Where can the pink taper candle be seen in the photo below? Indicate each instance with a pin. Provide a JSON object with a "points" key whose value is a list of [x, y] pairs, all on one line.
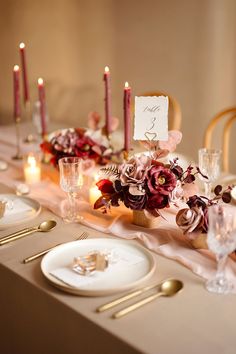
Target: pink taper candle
{"points": [[107, 100], [127, 116], [42, 106], [24, 73], [16, 91]]}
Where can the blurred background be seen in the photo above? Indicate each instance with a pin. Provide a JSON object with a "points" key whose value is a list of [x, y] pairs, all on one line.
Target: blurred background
{"points": [[186, 48]]}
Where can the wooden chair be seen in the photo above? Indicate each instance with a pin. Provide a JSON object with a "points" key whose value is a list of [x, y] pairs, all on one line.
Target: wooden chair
{"points": [[175, 115], [230, 114]]}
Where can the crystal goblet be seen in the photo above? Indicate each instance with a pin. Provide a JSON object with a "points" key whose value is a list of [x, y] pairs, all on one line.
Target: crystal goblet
{"points": [[209, 164], [71, 181], [221, 240]]}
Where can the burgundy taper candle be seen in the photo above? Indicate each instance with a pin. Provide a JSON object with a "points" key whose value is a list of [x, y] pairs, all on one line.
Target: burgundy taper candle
{"points": [[127, 116], [41, 90], [24, 73], [107, 81], [16, 91]]}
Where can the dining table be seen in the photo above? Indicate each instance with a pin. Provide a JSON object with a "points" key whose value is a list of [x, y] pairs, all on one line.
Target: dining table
{"points": [[38, 318]]}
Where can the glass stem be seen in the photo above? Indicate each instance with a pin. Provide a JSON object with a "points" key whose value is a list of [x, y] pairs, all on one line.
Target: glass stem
{"points": [[221, 262], [208, 187], [71, 197]]}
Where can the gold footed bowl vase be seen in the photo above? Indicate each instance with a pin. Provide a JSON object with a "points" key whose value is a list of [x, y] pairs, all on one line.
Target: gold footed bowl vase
{"points": [[140, 219], [200, 242]]}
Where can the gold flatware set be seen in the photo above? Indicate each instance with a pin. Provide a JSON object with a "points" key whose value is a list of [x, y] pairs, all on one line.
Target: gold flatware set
{"points": [[167, 288], [44, 226]]}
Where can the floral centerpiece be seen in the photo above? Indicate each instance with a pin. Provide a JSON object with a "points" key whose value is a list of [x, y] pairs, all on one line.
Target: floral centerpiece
{"points": [[144, 184], [90, 144], [193, 220]]}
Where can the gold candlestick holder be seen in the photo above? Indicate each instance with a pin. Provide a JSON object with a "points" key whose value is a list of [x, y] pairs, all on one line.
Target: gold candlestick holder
{"points": [[126, 155], [45, 157], [18, 155]]}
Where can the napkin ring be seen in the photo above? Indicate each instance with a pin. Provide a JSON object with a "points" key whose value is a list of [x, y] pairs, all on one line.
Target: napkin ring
{"points": [[85, 265]]}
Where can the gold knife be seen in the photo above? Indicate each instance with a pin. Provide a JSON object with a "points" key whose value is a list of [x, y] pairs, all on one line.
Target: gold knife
{"points": [[126, 297], [136, 305]]}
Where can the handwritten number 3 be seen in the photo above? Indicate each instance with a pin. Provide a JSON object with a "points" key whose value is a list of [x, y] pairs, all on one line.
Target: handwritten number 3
{"points": [[153, 123]]}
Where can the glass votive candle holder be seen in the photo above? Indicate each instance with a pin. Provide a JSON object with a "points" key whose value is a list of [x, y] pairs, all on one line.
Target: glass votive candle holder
{"points": [[94, 194], [32, 167]]}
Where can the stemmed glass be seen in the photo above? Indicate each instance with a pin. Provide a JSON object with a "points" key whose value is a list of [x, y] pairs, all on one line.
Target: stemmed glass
{"points": [[209, 164], [221, 240], [71, 181]]}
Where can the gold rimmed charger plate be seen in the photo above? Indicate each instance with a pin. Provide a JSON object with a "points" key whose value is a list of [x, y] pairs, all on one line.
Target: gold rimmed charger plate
{"points": [[30, 209], [117, 280]]}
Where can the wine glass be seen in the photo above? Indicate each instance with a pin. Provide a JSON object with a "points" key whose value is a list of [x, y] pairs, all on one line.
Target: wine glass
{"points": [[209, 164], [221, 240], [71, 181]]}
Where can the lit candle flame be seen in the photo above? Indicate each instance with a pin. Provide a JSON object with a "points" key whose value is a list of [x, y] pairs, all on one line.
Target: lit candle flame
{"points": [[16, 68], [22, 45], [107, 69], [40, 81], [126, 84]]}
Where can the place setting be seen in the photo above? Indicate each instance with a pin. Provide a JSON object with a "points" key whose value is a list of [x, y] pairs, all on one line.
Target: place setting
{"points": [[16, 210]]}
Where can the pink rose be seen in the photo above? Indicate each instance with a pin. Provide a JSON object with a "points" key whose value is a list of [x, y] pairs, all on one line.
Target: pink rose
{"points": [[133, 173], [190, 220]]}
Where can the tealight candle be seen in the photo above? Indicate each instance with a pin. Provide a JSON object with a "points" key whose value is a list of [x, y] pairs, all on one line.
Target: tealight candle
{"points": [[32, 169], [94, 194], [233, 194]]}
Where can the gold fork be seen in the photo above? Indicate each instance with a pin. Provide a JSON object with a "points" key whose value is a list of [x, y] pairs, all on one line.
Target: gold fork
{"points": [[83, 236]]}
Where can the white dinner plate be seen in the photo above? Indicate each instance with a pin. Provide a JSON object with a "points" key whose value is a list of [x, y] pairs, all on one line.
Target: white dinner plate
{"points": [[18, 210], [134, 265]]}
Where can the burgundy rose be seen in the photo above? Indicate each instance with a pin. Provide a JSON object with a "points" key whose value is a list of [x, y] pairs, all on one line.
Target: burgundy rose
{"points": [[196, 201], [160, 180], [135, 202], [105, 186], [158, 201], [83, 148]]}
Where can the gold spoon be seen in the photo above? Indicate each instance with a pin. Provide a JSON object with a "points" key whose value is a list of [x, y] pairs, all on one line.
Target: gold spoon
{"points": [[168, 288], [44, 226]]}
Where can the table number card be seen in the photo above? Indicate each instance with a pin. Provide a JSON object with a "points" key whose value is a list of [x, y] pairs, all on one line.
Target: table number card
{"points": [[151, 118]]}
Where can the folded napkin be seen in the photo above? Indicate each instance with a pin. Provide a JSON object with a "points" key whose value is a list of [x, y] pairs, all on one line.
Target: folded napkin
{"points": [[124, 261], [16, 206]]}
